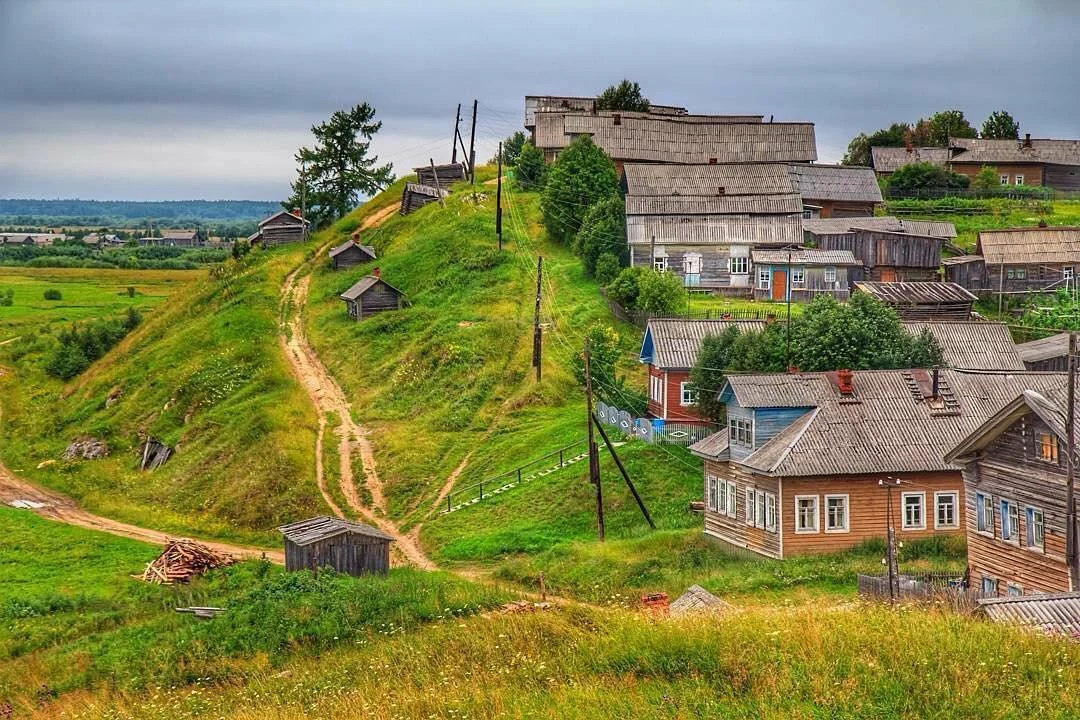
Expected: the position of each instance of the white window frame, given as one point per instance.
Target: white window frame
(1033, 544)
(846, 527)
(904, 524)
(798, 277)
(955, 510)
(1003, 179)
(732, 499)
(686, 389)
(656, 388)
(736, 426)
(770, 512)
(984, 525)
(751, 506)
(1014, 590)
(764, 277)
(799, 529)
(1019, 179)
(1067, 274)
(1008, 509)
(830, 274)
(660, 261)
(739, 265)
(989, 585)
(712, 485)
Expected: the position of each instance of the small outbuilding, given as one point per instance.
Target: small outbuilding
(372, 295)
(1048, 353)
(347, 547)
(351, 253)
(922, 300)
(416, 196)
(281, 228)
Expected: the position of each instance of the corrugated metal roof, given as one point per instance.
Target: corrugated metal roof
(314, 529)
(673, 140)
(836, 182)
(890, 159)
(991, 151)
(714, 447)
(916, 293)
(716, 205)
(1052, 613)
(1055, 346)
(803, 256)
(676, 343)
(705, 179)
(972, 344)
(365, 284)
(714, 229)
(1030, 246)
(888, 223)
(887, 425)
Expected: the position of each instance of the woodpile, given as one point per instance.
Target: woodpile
(154, 454)
(86, 448)
(181, 560)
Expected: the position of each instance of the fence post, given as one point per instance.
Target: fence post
(448, 496)
(560, 458)
(519, 476)
(481, 491)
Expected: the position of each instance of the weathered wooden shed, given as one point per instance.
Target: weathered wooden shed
(1028, 260)
(372, 295)
(1048, 353)
(446, 174)
(922, 300)
(280, 228)
(416, 196)
(351, 253)
(887, 256)
(327, 542)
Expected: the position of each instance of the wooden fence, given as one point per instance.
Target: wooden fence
(652, 430)
(948, 589)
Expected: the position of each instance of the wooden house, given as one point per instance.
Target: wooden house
(683, 140)
(1014, 471)
(281, 228)
(803, 273)
(922, 300)
(180, 238)
(831, 226)
(327, 542)
(561, 103)
(446, 174)
(886, 256)
(701, 221)
(1048, 353)
(798, 469)
(670, 348)
(372, 295)
(972, 344)
(416, 196)
(830, 191)
(1019, 260)
(887, 160)
(1027, 161)
(351, 253)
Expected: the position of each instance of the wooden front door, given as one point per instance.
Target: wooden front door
(888, 275)
(779, 284)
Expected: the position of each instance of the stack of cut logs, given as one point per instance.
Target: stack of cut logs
(183, 559)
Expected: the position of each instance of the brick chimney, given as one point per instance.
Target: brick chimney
(712, 161)
(845, 381)
(376, 273)
(297, 213)
(1027, 140)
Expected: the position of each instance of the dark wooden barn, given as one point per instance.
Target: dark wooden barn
(887, 256)
(372, 295)
(416, 196)
(922, 300)
(351, 253)
(326, 542)
(281, 228)
(446, 174)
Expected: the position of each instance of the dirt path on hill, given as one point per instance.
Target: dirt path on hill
(378, 218)
(54, 506)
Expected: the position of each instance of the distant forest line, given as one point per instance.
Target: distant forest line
(133, 214)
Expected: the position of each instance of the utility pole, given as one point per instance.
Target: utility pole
(894, 571)
(303, 194)
(435, 175)
(787, 289)
(594, 451)
(472, 145)
(538, 336)
(453, 142)
(626, 476)
(652, 253)
(1072, 552)
(498, 201)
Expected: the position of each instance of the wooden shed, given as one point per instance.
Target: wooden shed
(281, 228)
(922, 300)
(372, 295)
(416, 196)
(887, 256)
(351, 253)
(1028, 259)
(446, 174)
(1048, 353)
(347, 547)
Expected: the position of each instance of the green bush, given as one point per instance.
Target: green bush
(84, 343)
(7, 298)
(53, 294)
(582, 175)
(926, 176)
(607, 268)
(603, 231)
(649, 291)
(530, 169)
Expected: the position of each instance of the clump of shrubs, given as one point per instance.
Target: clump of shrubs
(648, 291)
(7, 298)
(83, 343)
(53, 294)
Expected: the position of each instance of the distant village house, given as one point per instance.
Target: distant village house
(372, 295)
(1018, 261)
(350, 253)
(281, 228)
(835, 191)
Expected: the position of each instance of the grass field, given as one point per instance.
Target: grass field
(1003, 214)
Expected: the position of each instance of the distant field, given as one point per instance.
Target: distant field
(1001, 214)
(85, 294)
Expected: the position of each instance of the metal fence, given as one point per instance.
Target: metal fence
(930, 587)
(652, 430)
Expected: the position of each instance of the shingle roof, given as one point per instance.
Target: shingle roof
(887, 425)
(179, 235)
(675, 343)
(714, 446)
(428, 190)
(829, 226)
(646, 179)
(1030, 246)
(916, 293)
(675, 140)
(1052, 613)
(890, 159)
(350, 243)
(1046, 348)
(714, 205)
(564, 103)
(836, 182)
(314, 529)
(803, 256)
(365, 284)
(972, 344)
(991, 151)
(287, 216)
(714, 229)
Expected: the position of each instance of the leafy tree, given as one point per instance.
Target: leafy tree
(660, 293)
(607, 268)
(582, 175)
(926, 176)
(948, 124)
(624, 96)
(625, 287)
(858, 152)
(603, 230)
(986, 179)
(511, 149)
(1001, 125)
(707, 376)
(608, 386)
(337, 171)
(530, 167)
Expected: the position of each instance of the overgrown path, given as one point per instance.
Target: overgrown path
(330, 401)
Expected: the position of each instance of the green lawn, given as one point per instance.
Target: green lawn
(1002, 214)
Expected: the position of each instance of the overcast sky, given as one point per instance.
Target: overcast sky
(179, 99)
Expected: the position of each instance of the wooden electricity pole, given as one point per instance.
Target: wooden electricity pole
(472, 146)
(438, 190)
(594, 451)
(1072, 552)
(498, 201)
(454, 141)
(538, 336)
(894, 570)
(626, 476)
